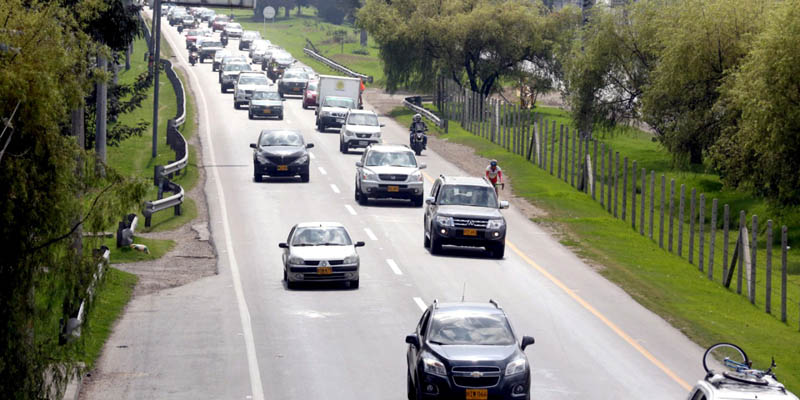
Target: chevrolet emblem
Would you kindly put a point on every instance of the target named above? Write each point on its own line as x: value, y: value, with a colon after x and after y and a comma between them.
x: 476, y: 374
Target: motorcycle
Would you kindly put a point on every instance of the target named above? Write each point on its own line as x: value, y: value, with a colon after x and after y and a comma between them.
x: 193, y: 57
x: 418, y: 141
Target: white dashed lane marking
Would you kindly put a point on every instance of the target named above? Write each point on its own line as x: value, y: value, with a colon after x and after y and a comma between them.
x: 350, y: 209
x: 394, y: 267
x: 370, y: 234
x: 335, y: 189
x: 420, y: 303
x: 322, y: 171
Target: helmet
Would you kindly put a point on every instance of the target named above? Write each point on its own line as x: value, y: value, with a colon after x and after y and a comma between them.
x: 417, y: 117
x: 493, y: 163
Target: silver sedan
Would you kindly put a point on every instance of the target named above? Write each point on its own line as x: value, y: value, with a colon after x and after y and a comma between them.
x: 320, y: 252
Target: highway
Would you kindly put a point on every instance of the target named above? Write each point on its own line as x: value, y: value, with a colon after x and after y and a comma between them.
x: 243, y: 334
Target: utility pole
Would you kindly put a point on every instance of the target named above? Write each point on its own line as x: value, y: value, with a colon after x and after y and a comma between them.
x: 100, y: 125
x: 156, y: 71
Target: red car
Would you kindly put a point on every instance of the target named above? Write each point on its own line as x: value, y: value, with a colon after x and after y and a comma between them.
x: 219, y: 22
x: 191, y: 37
x: 310, y: 94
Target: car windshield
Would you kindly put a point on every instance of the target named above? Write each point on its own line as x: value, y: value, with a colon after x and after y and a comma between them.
x: 281, y: 138
x: 237, y: 67
x: 339, y: 102
x: 263, y: 95
x: 233, y: 26
x: 194, y: 33
x: 253, y: 80
x: 467, y: 195
x: 283, y: 60
x: 470, y: 328
x: 362, y: 119
x: 209, y: 43
x: 321, y: 236
x: 295, y: 75
x: 394, y: 159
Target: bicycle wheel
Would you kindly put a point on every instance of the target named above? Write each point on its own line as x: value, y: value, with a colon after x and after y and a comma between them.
x: 718, y: 353
x: 746, y: 377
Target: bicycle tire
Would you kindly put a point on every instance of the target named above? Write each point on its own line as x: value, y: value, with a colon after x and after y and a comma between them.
x: 720, y: 351
x: 744, y: 377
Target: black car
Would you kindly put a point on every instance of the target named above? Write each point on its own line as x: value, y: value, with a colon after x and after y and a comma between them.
x: 280, y: 153
x: 293, y: 82
x: 464, y: 211
x: 467, y: 351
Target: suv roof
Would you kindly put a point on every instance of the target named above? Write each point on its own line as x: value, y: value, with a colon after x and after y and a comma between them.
x: 491, y: 307
x: 464, y: 180
x: 389, y: 147
x: 357, y: 111
x: 720, y: 387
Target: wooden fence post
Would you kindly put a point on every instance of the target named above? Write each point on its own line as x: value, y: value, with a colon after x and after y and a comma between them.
x: 552, y: 147
x: 742, y: 238
x: 681, y: 207
x: 768, y: 293
x: 566, y: 155
x: 616, y: 182
x: 661, y: 213
x: 751, y: 282
x: 701, y: 220
x: 625, y: 190
x: 652, y: 199
x: 711, y: 246
x: 610, y: 181
x: 784, y: 250
x: 594, y: 161
x: 560, y: 149
x: 726, y: 214
x: 585, y: 157
x: 572, y: 177
x: 671, y: 213
x: 692, y: 214
x: 641, y: 209
x: 602, y: 173
x: 633, y: 195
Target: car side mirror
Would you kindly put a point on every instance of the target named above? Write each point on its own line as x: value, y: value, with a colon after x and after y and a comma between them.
x: 253, y: 146
x: 360, y: 244
x: 283, y: 99
x: 526, y: 341
x: 359, y: 164
x: 283, y: 245
x: 413, y: 340
x: 382, y: 125
x: 503, y: 204
x: 422, y: 166
x: 309, y: 145
x: 430, y: 200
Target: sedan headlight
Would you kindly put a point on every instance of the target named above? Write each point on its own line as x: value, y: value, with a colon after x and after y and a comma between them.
x: 516, y: 367
x: 444, y: 221
x: 351, y: 259
x: 295, y: 260
x: 369, y: 175
x: 496, y: 223
x: 416, y: 177
x: 302, y: 160
x: 432, y: 365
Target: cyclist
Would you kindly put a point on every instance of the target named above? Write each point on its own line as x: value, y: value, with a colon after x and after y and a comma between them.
x: 495, y: 174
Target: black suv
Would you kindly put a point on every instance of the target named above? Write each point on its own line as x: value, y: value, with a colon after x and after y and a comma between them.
x: 465, y: 211
x: 467, y: 351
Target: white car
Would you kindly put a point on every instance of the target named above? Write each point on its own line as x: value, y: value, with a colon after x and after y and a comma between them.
x: 359, y: 129
x: 320, y: 252
x: 233, y: 29
x: 248, y: 83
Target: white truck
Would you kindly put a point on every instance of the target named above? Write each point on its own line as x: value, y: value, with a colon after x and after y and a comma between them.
x: 337, y: 94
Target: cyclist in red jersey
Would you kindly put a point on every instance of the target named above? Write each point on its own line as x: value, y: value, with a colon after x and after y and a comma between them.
x: 494, y: 173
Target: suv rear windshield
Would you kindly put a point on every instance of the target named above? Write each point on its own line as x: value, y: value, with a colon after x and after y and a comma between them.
x: 362, y: 119
x: 394, y: 159
x: 252, y: 80
x: 467, y: 195
x: 209, y: 43
x: 238, y: 67
x: 339, y: 102
x: 470, y: 328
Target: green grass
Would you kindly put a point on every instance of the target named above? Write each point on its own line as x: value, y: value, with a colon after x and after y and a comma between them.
x: 291, y: 34
x: 663, y: 282
x: 126, y: 255
x: 110, y: 300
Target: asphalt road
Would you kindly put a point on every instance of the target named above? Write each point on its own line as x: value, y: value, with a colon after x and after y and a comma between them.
x: 242, y: 334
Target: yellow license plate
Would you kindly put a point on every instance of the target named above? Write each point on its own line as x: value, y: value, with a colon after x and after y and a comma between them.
x: 470, y: 232
x: 297, y: 89
x: 394, y: 188
x: 266, y: 111
x: 283, y: 167
x: 477, y: 394
x: 324, y: 270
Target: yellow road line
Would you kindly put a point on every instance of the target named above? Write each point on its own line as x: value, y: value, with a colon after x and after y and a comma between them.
x: 627, y: 338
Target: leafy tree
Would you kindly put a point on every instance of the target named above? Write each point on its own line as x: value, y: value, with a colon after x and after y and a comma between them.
x: 337, y: 11
x: 761, y: 152
x: 474, y: 42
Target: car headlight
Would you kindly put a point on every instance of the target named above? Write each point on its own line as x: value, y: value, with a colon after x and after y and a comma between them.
x: 346, y: 132
x: 295, y: 260
x: 516, y: 367
x: 431, y: 365
x: 416, y: 177
x: 377, y: 135
x: 325, y: 113
x: 369, y: 175
x: 444, y: 221
x: 496, y: 223
x: 351, y: 259
x: 302, y: 160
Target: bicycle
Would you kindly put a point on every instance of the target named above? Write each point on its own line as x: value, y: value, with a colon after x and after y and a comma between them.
x: 740, y: 368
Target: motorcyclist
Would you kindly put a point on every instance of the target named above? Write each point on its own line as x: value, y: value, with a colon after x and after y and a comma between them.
x: 418, y: 125
x: 223, y: 37
x: 494, y: 174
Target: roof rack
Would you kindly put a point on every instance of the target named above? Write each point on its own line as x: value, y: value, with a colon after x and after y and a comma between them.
x: 497, y: 306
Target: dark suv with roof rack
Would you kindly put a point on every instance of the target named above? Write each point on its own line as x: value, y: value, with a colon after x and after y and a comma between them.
x: 464, y: 211
x: 467, y: 351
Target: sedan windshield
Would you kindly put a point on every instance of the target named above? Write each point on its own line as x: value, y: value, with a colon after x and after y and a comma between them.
x: 233, y: 26
x: 362, y: 119
x: 394, y: 159
x: 339, y: 102
x: 295, y: 75
x: 263, y: 95
x: 466, y: 195
x: 321, y: 236
x: 282, y: 138
x: 237, y: 67
x: 253, y: 80
x: 470, y: 328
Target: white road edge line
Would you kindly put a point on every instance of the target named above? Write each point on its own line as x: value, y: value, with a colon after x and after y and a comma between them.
x: 244, y: 312
x: 394, y: 267
x: 322, y: 171
x: 421, y: 304
x: 370, y: 234
x: 350, y: 209
x: 335, y: 188
x: 310, y: 154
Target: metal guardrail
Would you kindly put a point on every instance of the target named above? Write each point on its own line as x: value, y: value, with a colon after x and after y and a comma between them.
x: 72, y: 328
x: 339, y: 67
x: 414, y: 103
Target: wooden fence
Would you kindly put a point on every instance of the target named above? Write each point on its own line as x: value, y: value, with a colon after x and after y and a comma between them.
x: 623, y: 190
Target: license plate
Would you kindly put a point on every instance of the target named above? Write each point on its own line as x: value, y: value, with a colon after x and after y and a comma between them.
x: 477, y: 394
x: 363, y: 142
x: 470, y: 232
x: 266, y: 111
x: 297, y: 89
x: 324, y: 270
x: 394, y: 188
x: 283, y: 167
